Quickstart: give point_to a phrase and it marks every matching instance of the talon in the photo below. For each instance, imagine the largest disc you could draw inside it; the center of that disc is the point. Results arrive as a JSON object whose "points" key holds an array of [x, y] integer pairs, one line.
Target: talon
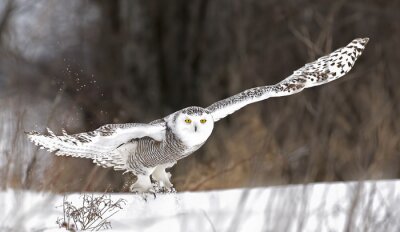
{"points": [[142, 189], [172, 190], [166, 190], [144, 196]]}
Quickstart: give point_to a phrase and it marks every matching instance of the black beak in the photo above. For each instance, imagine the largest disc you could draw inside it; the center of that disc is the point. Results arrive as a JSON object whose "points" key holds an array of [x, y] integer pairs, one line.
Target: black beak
{"points": [[195, 128]]}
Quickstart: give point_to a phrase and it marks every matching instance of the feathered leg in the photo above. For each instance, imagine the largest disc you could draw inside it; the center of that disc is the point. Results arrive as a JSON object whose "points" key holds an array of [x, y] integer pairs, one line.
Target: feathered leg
{"points": [[163, 177], [142, 185]]}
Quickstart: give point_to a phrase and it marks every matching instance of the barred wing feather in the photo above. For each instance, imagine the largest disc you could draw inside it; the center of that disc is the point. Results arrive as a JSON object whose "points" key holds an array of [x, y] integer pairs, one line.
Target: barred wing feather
{"points": [[95, 143], [321, 71]]}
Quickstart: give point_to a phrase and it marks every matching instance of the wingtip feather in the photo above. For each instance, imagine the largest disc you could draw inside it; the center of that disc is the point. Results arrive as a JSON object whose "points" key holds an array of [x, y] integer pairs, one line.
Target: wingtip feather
{"points": [[362, 40]]}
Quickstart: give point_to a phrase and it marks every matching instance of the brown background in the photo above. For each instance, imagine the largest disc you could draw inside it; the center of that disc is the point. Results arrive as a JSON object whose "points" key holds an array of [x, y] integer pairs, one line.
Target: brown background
{"points": [[136, 61]]}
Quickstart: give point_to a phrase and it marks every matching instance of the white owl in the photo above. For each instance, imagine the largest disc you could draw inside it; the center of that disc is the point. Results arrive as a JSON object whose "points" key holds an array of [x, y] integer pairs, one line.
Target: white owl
{"points": [[148, 149]]}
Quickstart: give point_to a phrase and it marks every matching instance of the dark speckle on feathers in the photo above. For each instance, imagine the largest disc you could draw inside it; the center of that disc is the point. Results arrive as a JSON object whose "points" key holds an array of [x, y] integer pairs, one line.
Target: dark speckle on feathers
{"points": [[321, 71], [143, 151], [194, 110]]}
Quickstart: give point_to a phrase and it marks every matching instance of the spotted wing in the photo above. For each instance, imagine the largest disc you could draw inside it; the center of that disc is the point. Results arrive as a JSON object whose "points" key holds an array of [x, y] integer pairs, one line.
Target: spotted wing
{"points": [[321, 71]]}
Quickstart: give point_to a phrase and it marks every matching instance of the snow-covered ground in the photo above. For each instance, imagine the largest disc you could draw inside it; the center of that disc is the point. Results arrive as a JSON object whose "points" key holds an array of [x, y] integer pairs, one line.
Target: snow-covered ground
{"points": [[364, 206]]}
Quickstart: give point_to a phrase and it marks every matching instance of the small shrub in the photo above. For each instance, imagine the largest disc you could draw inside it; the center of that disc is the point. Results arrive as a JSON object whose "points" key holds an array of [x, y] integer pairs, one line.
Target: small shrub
{"points": [[92, 214]]}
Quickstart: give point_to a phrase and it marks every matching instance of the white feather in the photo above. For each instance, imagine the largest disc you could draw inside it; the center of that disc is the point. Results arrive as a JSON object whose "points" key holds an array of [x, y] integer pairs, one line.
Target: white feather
{"points": [[321, 71], [103, 140]]}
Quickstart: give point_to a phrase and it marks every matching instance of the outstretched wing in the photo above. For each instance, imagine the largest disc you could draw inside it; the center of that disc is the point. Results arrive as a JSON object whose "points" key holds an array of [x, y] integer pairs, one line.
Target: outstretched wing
{"points": [[96, 143], [321, 71]]}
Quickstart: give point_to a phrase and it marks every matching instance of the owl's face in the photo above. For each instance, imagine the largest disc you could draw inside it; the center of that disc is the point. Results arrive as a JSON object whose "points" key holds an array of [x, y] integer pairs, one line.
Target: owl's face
{"points": [[193, 125]]}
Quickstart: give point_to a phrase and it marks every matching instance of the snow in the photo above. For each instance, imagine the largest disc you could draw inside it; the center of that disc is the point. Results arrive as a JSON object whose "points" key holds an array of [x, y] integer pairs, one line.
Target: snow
{"points": [[352, 206]]}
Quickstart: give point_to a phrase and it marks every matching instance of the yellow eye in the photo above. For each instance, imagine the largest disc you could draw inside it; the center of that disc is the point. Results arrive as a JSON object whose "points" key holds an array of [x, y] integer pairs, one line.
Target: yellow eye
{"points": [[203, 120], [188, 121]]}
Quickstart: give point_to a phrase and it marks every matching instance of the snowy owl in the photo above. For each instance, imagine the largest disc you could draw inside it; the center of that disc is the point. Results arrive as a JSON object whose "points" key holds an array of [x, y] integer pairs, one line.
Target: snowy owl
{"points": [[147, 149]]}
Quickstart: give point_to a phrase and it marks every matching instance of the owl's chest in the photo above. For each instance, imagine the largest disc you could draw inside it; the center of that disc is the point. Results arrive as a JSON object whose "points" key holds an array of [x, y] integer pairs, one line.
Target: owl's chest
{"points": [[174, 148], [159, 152]]}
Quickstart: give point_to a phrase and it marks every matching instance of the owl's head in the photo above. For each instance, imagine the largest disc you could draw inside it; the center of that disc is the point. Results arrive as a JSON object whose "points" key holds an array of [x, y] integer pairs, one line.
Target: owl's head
{"points": [[193, 125]]}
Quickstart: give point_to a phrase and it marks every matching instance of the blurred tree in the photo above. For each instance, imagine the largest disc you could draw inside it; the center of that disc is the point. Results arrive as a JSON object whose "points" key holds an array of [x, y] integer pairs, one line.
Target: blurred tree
{"points": [[136, 61]]}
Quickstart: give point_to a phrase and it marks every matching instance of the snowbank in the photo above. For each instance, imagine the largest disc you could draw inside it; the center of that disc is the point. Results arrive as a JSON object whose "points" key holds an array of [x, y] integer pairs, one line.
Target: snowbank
{"points": [[366, 206]]}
